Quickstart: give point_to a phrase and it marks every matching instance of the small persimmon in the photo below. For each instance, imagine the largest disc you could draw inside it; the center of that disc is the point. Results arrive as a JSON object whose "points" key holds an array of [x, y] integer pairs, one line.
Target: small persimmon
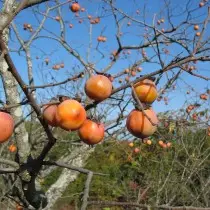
{"points": [[98, 87], [12, 148], [91, 132], [196, 27], [160, 142], [198, 34], [136, 150], [75, 7], [131, 144], [149, 142], [70, 115]]}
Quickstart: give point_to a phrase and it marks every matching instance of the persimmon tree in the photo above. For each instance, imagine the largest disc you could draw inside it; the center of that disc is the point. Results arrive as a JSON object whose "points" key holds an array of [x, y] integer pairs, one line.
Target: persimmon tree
{"points": [[65, 61]]}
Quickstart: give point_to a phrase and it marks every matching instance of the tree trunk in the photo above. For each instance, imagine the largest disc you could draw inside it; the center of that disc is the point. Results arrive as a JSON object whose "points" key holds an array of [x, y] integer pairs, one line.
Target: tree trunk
{"points": [[77, 158]]}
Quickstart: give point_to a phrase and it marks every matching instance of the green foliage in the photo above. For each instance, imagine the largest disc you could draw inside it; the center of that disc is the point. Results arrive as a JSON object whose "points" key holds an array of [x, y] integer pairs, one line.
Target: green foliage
{"points": [[159, 174]]}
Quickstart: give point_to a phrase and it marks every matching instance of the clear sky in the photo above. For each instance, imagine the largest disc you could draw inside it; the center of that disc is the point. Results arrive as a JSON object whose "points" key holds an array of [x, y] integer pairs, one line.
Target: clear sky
{"points": [[79, 39]]}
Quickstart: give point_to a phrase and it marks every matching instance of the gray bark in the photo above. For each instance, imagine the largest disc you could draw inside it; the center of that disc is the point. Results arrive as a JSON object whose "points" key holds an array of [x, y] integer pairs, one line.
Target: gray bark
{"points": [[77, 158], [13, 97]]}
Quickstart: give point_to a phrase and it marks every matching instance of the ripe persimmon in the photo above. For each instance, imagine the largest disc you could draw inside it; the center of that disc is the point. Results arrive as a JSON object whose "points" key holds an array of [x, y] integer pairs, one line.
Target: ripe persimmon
{"points": [[57, 18], [70, 115], [12, 148], [203, 96], [6, 126], [198, 34], [97, 20], [19, 207], [98, 87], [49, 114], [91, 132], [149, 142], [131, 144], [201, 4], [196, 27], [160, 142], [146, 91], [75, 7], [138, 124], [136, 150]]}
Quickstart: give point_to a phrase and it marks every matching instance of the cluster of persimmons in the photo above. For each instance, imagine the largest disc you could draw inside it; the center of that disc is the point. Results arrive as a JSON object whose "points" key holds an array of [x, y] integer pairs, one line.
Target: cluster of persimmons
{"points": [[70, 115]]}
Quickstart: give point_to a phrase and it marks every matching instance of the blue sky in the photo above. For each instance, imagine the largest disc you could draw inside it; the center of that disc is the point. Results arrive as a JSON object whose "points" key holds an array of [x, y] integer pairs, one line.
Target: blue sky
{"points": [[78, 37]]}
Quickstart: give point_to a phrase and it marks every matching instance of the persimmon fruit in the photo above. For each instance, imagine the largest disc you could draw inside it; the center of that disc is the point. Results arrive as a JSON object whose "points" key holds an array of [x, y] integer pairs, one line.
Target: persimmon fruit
{"points": [[131, 144], [149, 142], [12, 148], [136, 150], [138, 124], [146, 91], [196, 27], [75, 7], [49, 114], [6, 126], [98, 87], [160, 142], [91, 132], [70, 115]]}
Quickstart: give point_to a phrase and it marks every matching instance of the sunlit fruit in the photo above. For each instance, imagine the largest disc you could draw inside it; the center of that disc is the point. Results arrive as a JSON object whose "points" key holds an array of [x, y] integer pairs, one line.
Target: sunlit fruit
{"points": [[91, 132], [196, 27], [136, 150], [138, 124], [201, 4], [198, 34], [131, 144], [75, 7], [62, 65], [203, 96], [57, 18], [149, 142], [146, 91], [160, 142], [168, 144], [6, 126], [97, 20], [139, 69], [12, 148], [98, 87], [70, 115], [49, 114]]}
